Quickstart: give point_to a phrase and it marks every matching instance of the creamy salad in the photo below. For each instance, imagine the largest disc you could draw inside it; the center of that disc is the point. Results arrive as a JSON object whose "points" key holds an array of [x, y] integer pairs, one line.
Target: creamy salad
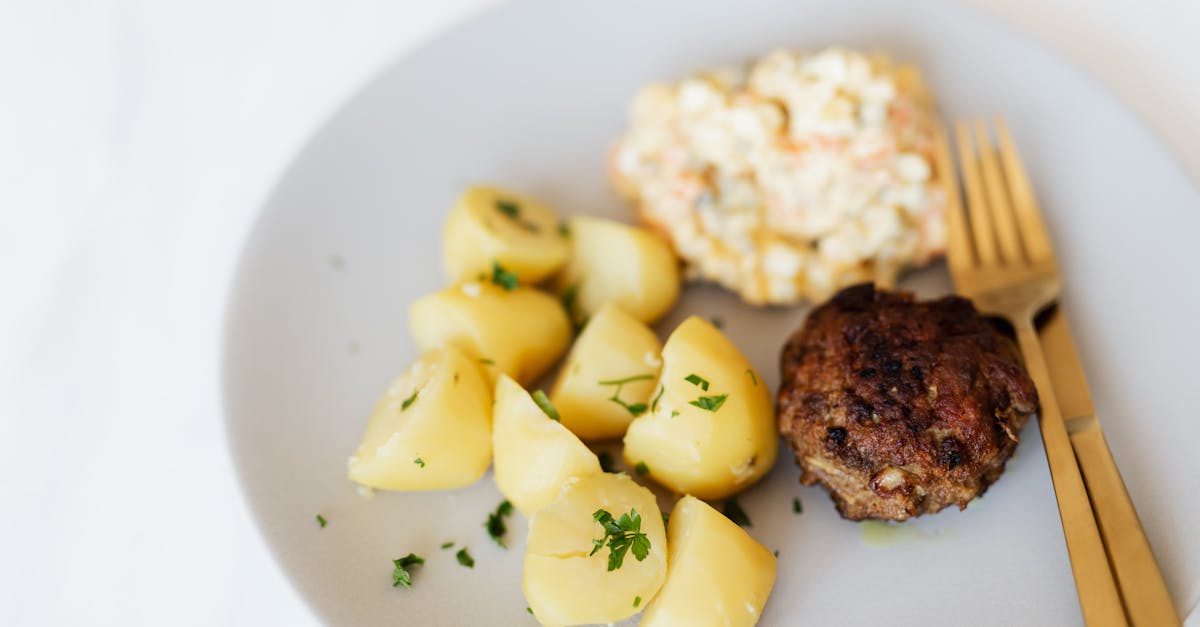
{"points": [[791, 177]]}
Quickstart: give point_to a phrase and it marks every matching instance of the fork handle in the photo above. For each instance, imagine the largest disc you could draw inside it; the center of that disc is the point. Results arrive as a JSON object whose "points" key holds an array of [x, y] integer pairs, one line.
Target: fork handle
{"points": [[1098, 595], [1146, 597]]}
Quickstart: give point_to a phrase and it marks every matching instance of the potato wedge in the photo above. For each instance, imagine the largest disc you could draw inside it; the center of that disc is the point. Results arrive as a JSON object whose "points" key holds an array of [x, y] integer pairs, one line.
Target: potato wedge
{"points": [[432, 429], [535, 455], [490, 224], [716, 573], [519, 332], [711, 432], [563, 584], [612, 262], [608, 376]]}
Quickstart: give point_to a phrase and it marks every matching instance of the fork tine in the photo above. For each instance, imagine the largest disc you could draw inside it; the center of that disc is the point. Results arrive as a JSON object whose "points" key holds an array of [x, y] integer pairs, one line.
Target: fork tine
{"points": [[981, 225], [958, 244], [1029, 217], [1001, 209]]}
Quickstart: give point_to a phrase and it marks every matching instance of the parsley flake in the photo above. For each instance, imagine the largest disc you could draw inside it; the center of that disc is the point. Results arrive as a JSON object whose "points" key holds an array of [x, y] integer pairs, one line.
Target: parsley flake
{"points": [[539, 397], [606, 461], [504, 278], [637, 601], [797, 507], [512, 211], [447, 545], [400, 574], [410, 400], [508, 208], [636, 409], [711, 403], [564, 230], [753, 377], [654, 405], [666, 518], [636, 377], [717, 322], [529, 609], [734, 512], [697, 380], [621, 535], [420, 462], [568, 297], [495, 523], [487, 362], [321, 521], [641, 469], [465, 558]]}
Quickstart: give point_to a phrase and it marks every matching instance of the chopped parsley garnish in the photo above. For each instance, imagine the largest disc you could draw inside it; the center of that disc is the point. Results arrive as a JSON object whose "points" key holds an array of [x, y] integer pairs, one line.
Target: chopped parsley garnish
{"points": [[797, 507], [539, 397], [697, 380], [621, 535], [410, 400], [711, 403], [447, 545], [674, 413], [666, 518], [420, 462], [654, 405], [776, 552], [508, 208], [636, 409], [734, 512], [564, 230], [465, 558], [400, 575], [495, 523], [529, 609], [504, 278], [636, 377], [568, 297], [321, 521], [637, 601], [512, 211], [606, 461], [487, 361], [717, 322], [641, 469], [753, 378]]}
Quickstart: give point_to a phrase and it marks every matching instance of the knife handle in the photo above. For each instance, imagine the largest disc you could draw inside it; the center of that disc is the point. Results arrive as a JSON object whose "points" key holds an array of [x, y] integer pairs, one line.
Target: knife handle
{"points": [[1099, 598], [1147, 601]]}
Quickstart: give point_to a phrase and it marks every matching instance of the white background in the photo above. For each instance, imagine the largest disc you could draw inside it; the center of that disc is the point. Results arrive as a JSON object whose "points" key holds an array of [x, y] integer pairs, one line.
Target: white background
{"points": [[136, 142]]}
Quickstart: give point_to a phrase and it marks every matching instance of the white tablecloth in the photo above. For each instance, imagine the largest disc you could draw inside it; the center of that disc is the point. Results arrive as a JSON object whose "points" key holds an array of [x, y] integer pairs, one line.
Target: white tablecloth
{"points": [[136, 142]]}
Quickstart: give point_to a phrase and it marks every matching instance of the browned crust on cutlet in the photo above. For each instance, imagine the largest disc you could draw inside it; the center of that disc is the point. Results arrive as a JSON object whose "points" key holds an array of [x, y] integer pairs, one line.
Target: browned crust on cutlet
{"points": [[901, 408]]}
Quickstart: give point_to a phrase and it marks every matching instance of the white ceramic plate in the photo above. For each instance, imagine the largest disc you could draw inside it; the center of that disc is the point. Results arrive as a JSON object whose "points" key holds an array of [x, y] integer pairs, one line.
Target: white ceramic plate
{"points": [[530, 96]]}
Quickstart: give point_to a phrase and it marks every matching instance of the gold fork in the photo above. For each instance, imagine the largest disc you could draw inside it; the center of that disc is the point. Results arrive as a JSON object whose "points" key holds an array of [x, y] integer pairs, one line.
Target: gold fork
{"points": [[1000, 257]]}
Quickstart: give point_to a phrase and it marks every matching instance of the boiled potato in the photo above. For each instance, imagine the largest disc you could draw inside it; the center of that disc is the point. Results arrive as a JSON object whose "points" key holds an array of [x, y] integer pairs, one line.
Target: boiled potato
{"points": [[489, 224], [563, 584], [611, 262], [535, 455], [716, 573], [711, 432], [615, 357], [519, 332], [431, 430]]}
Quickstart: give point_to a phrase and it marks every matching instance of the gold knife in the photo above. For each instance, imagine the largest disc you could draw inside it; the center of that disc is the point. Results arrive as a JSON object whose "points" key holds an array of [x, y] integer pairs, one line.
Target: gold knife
{"points": [[1147, 601]]}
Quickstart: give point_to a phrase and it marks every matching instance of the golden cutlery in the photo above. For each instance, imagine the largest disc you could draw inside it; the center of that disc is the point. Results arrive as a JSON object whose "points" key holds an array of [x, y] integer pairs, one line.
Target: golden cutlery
{"points": [[1000, 257], [1143, 590]]}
